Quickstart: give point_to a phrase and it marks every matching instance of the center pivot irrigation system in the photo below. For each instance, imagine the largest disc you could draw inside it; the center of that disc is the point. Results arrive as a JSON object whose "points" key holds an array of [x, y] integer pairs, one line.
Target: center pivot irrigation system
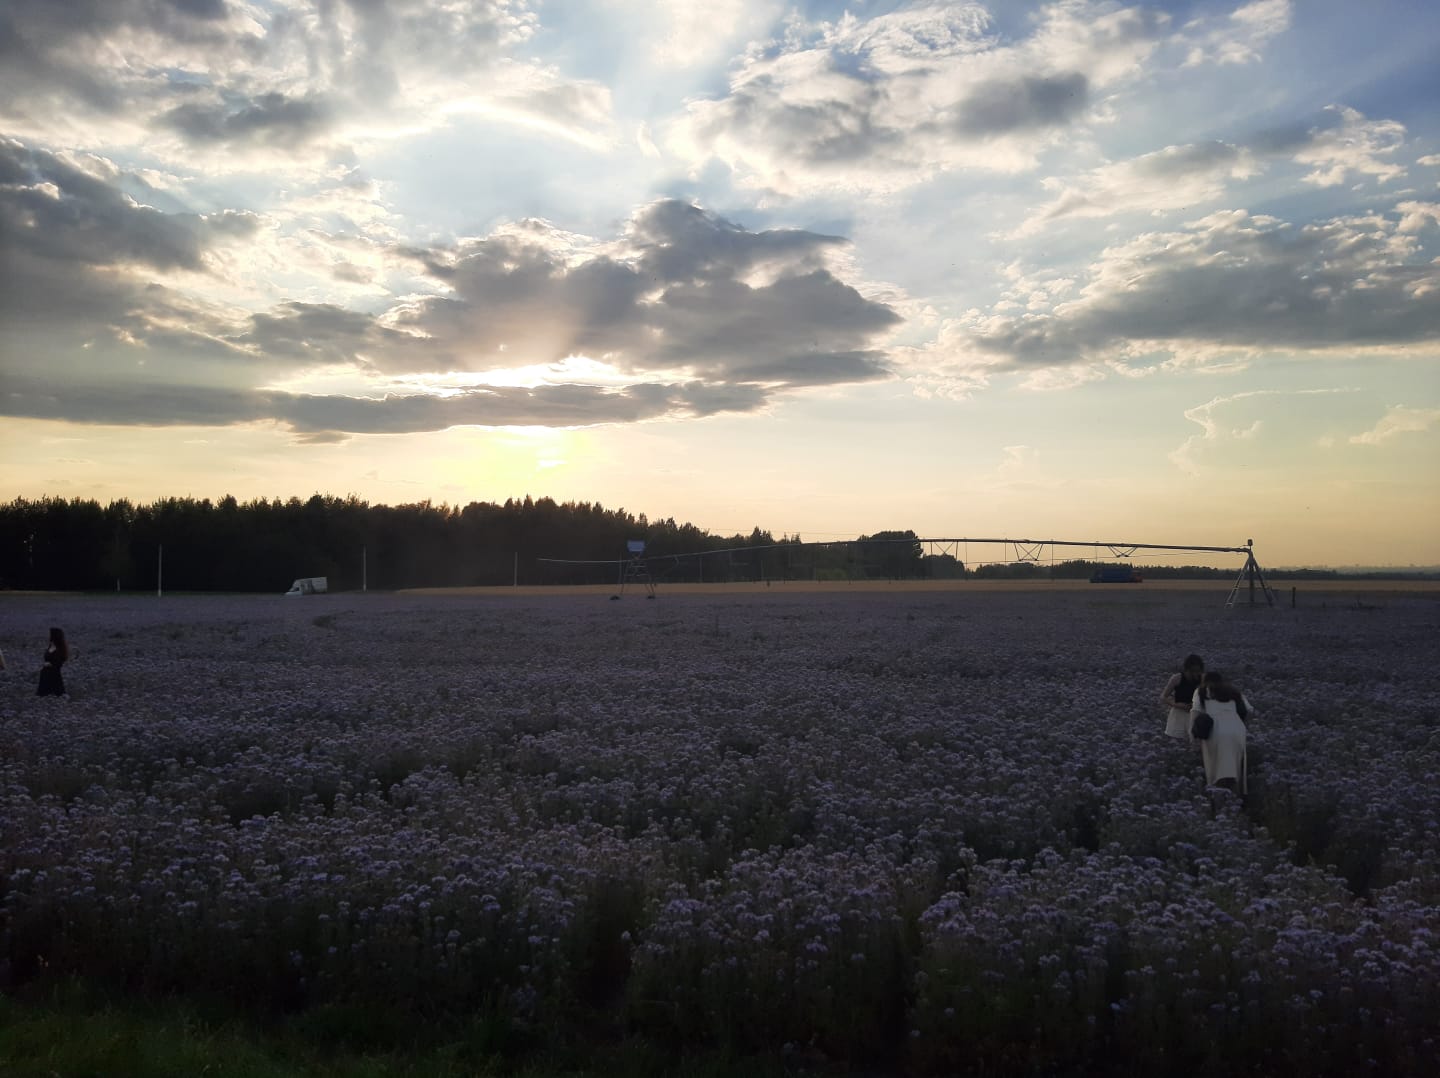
{"points": [[637, 569]]}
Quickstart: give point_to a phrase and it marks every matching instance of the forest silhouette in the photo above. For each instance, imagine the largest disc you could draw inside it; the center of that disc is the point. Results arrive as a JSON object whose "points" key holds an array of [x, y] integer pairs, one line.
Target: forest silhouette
{"points": [[189, 544]]}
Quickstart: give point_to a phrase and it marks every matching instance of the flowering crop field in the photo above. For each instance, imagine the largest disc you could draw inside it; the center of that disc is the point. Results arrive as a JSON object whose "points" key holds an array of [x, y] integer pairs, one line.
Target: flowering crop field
{"points": [[932, 833]]}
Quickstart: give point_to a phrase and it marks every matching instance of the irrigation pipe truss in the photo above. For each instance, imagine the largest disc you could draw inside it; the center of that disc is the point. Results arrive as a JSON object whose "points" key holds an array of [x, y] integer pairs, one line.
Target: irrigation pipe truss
{"points": [[1026, 550]]}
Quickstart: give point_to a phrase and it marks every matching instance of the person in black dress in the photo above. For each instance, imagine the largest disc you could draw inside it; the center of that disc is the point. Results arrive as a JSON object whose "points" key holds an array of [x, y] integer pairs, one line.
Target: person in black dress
{"points": [[51, 683]]}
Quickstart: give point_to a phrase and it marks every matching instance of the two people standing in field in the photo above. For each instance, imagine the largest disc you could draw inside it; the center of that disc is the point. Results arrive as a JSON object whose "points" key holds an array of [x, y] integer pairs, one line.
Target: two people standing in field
{"points": [[1194, 692], [51, 683]]}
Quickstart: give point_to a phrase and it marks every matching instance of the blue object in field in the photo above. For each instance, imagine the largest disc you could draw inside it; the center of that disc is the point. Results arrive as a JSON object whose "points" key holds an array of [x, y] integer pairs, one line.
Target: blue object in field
{"points": [[1115, 574]]}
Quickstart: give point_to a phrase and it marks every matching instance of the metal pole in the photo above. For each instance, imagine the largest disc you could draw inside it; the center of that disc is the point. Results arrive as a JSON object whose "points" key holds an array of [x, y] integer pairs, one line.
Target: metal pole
{"points": [[159, 569], [515, 579], [364, 570]]}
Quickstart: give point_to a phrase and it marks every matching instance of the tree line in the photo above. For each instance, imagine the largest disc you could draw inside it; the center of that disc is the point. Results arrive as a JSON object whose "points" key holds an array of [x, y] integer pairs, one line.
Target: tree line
{"points": [[189, 544]]}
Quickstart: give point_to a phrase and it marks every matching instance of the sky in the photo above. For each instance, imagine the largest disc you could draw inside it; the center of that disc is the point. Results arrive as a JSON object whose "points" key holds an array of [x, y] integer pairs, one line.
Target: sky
{"points": [[1155, 272]]}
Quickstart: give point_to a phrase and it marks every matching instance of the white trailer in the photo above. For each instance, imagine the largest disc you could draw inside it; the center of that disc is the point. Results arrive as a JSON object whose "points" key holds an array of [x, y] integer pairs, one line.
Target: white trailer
{"points": [[310, 585]]}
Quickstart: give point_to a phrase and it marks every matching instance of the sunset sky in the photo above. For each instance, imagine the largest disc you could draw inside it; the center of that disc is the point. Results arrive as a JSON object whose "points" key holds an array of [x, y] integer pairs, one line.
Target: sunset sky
{"points": [[1164, 273]]}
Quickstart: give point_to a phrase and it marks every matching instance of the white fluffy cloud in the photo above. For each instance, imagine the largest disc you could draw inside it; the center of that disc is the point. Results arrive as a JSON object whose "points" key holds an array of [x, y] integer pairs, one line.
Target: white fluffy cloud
{"points": [[1173, 178], [249, 85], [1397, 421], [1239, 37], [887, 102], [1355, 146]]}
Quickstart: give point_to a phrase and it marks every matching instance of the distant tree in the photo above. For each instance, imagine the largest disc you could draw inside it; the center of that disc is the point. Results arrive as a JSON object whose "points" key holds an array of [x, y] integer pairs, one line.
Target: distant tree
{"points": [[895, 555], [1019, 570], [942, 567]]}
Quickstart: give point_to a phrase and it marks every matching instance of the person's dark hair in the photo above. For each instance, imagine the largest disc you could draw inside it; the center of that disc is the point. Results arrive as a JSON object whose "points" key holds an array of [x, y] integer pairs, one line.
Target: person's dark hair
{"points": [[1192, 660], [57, 637], [1215, 687]]}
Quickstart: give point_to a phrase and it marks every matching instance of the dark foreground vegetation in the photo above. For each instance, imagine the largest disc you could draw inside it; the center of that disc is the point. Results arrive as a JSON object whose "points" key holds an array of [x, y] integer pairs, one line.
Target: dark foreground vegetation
{"points": [[78, 1029], [185, 544]]}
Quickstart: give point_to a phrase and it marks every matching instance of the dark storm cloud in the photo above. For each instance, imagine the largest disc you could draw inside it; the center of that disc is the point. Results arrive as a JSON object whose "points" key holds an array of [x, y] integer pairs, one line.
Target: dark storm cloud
{"points": [[515, 301], [1022, 103], [47, 28], [52, 209], [247, 75], [1234, 281], [48, 48], [678, 241], [271, 119], [136, 402], [725, 328], [316, 333], [79, 261], [702, 314], [818, 369], [327, 418], [684, 298]]}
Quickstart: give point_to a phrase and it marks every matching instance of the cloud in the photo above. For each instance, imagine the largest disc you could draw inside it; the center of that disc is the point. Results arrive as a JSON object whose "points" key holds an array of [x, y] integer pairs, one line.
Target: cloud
{"points": [[1023, 103], [682, 290], [1232, 423], [91, 274], [57, 208], [682, 313], [80, 54], [1239, 37], [272, 119], [1178, 177], [893, 100], [1398, 420], [687, 33], [1172, 178], [330, 418], [1351, 144], [1228, 283], [1018, 459], [265, 82], [1416, 216]]}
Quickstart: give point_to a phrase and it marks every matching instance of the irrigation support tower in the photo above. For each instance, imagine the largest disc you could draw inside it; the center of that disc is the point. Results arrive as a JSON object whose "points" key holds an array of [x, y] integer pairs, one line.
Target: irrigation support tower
{"points": [[1033, 550]]}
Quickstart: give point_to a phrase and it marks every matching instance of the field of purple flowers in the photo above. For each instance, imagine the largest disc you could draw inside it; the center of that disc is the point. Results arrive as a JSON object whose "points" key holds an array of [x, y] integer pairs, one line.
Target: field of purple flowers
{"points": [[935, 833]]}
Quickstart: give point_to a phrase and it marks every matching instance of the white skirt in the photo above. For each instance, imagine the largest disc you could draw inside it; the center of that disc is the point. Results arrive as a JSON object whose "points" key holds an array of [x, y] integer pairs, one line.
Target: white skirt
{"points": [[1177, 722]]}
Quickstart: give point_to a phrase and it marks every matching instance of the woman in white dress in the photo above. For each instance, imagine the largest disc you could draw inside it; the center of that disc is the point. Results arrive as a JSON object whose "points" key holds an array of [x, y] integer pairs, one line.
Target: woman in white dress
{"points": [[1224, 750], [1179, 694]]}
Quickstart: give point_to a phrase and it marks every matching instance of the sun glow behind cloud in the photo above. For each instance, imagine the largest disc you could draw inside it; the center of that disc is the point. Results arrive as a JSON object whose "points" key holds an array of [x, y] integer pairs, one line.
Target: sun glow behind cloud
{"points": [[362, 381]]}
